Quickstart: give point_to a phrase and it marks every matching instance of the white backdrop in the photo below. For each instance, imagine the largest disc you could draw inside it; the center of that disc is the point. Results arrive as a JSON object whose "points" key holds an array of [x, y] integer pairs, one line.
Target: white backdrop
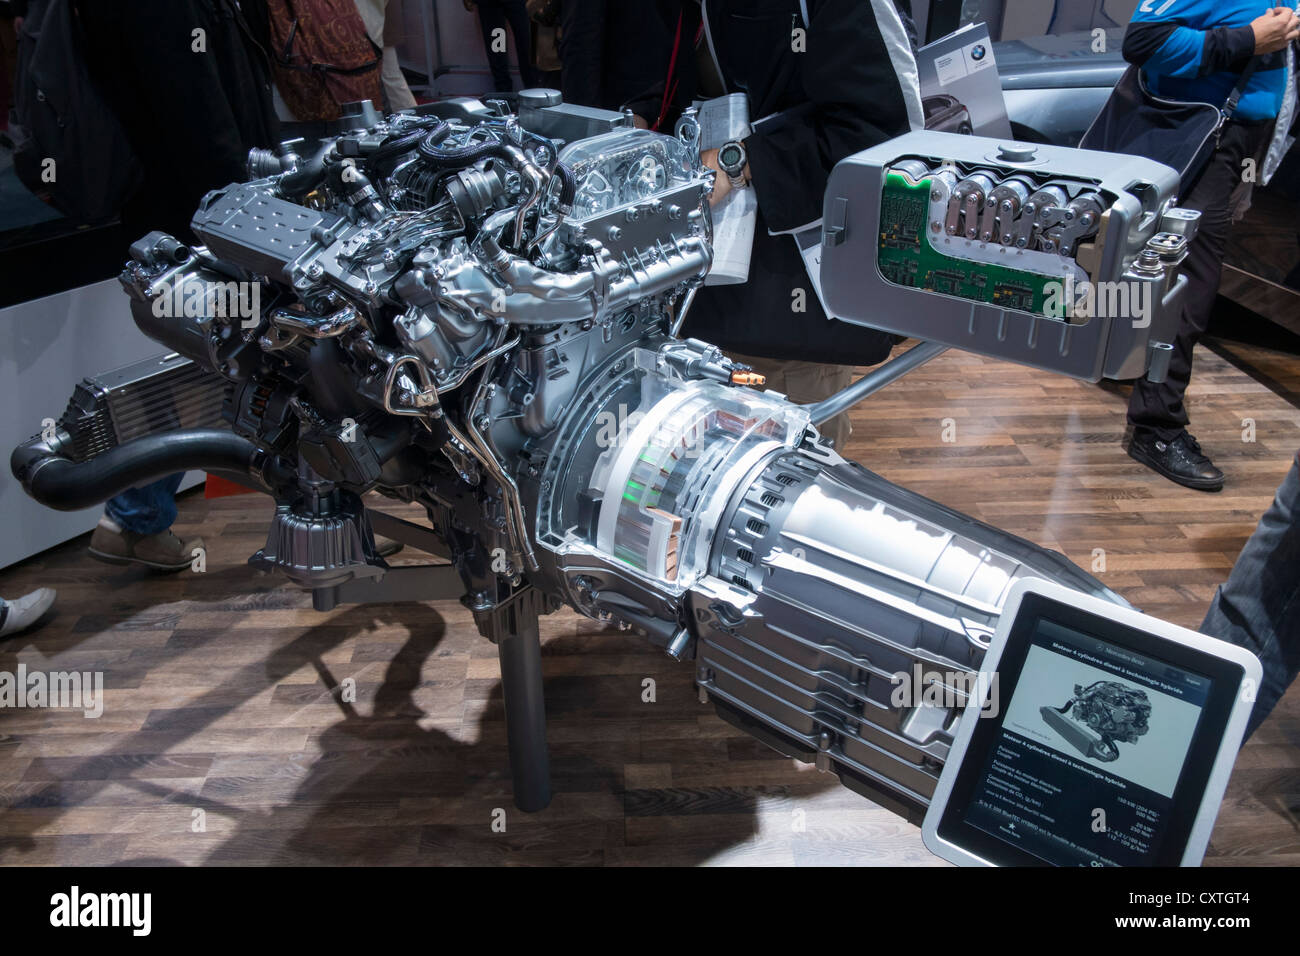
{"points": [[52, 344]]}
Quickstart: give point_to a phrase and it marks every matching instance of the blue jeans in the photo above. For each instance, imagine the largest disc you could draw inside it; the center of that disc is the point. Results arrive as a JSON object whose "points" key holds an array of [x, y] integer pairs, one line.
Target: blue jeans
{"points": [[1259, 606], [148, 510]]}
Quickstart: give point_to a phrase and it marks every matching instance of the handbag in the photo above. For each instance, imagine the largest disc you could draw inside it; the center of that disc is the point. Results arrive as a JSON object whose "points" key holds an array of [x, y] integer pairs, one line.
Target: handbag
{"points": [[1180, 134]]}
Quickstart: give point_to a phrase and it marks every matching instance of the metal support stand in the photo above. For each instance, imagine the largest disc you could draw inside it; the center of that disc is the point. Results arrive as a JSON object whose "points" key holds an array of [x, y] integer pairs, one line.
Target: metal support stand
{"points": [[874, 381], [513, 627], [422, 582], [511, 624]]}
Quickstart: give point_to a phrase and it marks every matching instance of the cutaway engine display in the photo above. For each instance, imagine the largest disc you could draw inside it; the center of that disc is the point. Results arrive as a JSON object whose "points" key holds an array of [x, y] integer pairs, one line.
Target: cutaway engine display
{"points": [[469, 309], [1058, 258]]}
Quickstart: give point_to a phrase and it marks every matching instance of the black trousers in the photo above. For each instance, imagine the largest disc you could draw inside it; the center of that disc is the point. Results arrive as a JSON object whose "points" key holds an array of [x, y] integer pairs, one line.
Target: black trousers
{"points": [[1159, 408], [492, 16]]}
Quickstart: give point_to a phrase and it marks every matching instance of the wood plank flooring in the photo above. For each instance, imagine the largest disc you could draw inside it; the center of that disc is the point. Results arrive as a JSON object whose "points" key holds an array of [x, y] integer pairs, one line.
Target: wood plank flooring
{"points": [[226, 737]]}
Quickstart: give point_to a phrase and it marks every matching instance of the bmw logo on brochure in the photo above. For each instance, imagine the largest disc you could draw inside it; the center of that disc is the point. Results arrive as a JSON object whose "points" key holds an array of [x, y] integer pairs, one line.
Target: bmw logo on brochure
{"points": [[978, 52]]}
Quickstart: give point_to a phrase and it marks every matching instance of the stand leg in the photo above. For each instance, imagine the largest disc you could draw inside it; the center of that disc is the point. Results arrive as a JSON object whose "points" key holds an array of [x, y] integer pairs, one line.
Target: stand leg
{"points": [[874, 381], [520, 651]]}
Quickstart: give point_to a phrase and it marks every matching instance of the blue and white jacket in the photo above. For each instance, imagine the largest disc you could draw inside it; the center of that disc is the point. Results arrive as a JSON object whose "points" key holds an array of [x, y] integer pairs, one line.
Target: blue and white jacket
{"points": [[1196, 50]]}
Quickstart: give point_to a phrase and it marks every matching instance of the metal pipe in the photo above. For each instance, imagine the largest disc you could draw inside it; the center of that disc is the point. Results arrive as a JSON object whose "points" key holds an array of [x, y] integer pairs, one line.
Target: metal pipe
{"points": [[538, 180], [509, 490], [874, 381], [424, 401], [316, 326], [680, 318]]}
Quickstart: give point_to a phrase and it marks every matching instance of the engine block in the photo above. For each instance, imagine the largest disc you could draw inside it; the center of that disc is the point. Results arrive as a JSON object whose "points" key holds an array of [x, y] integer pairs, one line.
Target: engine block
{"points": [[470, 309]]}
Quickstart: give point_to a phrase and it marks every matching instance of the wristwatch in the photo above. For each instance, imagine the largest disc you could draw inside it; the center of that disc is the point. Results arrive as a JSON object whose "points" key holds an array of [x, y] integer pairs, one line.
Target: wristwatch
{"points": [[732, 158]]}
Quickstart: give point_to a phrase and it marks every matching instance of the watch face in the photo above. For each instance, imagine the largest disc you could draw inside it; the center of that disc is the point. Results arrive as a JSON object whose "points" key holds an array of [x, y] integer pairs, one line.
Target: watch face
{"points": [[729, 156]]}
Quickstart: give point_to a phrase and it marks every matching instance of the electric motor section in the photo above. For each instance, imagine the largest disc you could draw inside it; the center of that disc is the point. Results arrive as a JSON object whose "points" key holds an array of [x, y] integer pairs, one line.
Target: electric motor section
{"points": [[1062, 259]]}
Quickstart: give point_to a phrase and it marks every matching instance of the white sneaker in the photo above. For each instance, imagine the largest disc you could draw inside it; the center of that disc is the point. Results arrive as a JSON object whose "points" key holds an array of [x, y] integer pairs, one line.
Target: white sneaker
{"points": [[26, 611]]}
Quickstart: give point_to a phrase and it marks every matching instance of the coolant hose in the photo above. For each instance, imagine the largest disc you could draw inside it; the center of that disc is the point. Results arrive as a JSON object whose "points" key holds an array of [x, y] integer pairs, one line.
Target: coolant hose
{"points": [[409, 141], [568, 184], [460, 155], [58, 482]]}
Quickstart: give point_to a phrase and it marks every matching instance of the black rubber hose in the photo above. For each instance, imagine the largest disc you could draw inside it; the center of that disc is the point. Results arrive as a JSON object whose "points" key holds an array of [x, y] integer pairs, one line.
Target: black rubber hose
{"points": [[65, 485], [461, 155], [308, 175], [410, 141], [568, 184]]}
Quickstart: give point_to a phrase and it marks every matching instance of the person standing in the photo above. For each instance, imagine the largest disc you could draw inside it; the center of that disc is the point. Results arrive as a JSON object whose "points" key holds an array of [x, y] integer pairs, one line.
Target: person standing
{"points": [[1258, 607], [190, 83], [827, 78], [1196, 50], [493, 15], [383, 25], [847, 83], [396, 89], [615, 55]]}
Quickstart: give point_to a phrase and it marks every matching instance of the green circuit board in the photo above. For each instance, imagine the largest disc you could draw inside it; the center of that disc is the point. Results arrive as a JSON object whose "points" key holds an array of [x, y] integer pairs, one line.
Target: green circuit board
{"points": [[907, 258]]}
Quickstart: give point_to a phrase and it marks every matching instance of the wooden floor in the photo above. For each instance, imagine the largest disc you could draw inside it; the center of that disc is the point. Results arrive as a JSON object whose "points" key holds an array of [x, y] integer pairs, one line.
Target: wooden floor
{"points": [[224, 738]]}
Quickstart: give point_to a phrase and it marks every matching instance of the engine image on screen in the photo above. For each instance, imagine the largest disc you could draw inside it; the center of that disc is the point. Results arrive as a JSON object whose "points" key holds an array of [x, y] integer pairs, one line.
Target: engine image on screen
{"points": [[1100, 715], [469, 310]]}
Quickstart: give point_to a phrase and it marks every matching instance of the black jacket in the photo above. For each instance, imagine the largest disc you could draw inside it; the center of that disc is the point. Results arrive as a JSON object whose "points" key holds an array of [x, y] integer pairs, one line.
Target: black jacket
{"points": [[191, 117], [614, 51], [846, 96]]}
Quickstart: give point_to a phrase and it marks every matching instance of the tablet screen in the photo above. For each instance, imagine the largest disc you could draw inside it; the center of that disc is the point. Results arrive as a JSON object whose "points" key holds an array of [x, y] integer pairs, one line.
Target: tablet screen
{"points": [[1094, 752]]}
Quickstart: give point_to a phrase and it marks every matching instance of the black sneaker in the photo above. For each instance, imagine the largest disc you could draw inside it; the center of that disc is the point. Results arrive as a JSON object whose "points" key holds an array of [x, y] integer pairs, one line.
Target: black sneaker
{"points": [[1179, 460]]}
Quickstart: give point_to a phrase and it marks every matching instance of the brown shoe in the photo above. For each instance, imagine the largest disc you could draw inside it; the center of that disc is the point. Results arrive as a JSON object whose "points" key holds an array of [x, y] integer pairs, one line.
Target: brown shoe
{"points": [[162, 552]]}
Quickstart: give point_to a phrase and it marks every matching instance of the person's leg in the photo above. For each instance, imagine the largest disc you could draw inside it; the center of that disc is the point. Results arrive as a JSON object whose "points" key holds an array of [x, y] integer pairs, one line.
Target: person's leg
{"points": [[1157, 411], [811, 382], [375, 15], [136, 529], [396, 90], [1259, 605], [492, 18], [22, 613], [147, 510], [522, 27]]}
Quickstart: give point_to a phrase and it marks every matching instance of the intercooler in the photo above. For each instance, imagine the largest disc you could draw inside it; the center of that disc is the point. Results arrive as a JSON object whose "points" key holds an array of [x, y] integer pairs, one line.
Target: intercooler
{"points": [[165, 393]]}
